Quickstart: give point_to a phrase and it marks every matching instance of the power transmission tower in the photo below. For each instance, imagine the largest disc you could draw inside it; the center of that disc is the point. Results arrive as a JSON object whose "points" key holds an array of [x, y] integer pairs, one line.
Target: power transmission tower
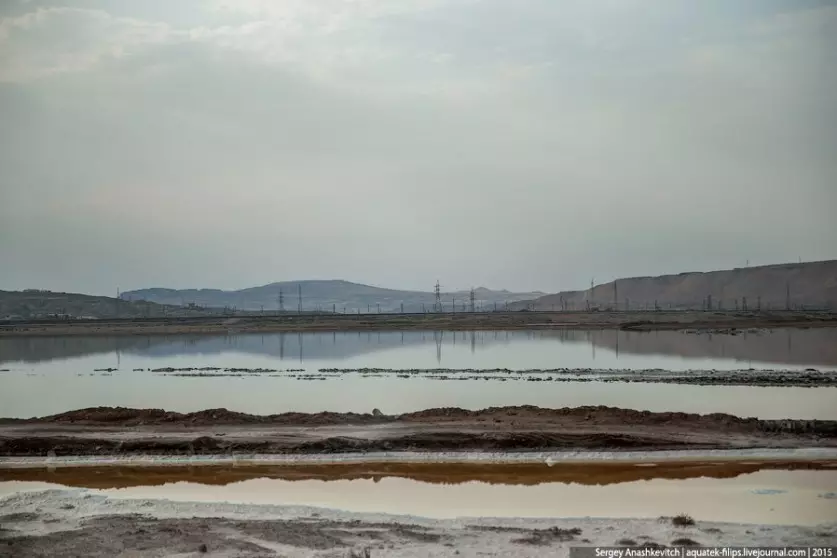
{"points": [[299, 291], [472, 298], [437, 306], [281, 301], [787, 295], [592, 292]]}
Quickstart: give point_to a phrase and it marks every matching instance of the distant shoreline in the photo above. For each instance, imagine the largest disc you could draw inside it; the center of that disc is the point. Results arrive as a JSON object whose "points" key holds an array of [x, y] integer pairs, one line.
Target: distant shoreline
{"points": [[713, 322]]}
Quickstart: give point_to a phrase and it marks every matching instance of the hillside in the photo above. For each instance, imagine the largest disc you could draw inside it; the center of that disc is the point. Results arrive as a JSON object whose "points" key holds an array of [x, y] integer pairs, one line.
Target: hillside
{"points": [[809, 285], [325, 295], [36, 304]]}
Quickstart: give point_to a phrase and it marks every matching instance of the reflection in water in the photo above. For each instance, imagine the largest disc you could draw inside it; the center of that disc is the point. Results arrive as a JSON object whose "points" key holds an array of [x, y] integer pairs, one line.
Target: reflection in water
{"points": [[766, 496], [594, 474], [809, 347], [53, 375]]}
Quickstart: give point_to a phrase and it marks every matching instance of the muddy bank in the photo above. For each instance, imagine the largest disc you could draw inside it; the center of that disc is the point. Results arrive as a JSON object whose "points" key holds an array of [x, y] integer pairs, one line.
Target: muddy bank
{"points": [[122, 431], [66, 523], [633, 321]]}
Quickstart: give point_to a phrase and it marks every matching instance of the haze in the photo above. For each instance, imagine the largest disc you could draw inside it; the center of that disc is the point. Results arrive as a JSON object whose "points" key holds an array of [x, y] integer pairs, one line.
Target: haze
{"points": [[521, 145]]}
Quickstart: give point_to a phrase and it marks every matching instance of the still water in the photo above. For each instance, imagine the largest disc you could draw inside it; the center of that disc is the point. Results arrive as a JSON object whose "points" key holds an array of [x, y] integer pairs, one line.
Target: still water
{"points": [[45, 375], [767, 496]]}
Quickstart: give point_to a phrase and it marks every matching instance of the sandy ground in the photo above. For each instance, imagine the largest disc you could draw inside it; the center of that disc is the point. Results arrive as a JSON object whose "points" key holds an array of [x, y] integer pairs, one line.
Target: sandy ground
{"points": [[79, 523], [634, 321], [120, 431]]}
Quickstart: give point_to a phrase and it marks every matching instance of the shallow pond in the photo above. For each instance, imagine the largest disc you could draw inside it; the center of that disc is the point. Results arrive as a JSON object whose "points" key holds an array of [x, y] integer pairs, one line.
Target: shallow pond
{"points": [[46, 375], [763, 496]]}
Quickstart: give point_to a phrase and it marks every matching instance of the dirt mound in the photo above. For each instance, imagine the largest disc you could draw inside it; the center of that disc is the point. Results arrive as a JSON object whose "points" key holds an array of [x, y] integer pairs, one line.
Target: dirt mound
{"points": [[113, 415], [592, 414], [123, 416], [519, 418]]}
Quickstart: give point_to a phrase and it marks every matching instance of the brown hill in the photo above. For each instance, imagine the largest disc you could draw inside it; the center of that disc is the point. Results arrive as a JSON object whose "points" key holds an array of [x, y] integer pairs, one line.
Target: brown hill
{"points": [[797, 285]]}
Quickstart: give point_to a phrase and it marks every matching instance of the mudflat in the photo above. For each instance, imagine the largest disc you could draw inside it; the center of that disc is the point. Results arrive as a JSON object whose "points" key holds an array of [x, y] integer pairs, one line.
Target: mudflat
{"points": [[123, 431]]}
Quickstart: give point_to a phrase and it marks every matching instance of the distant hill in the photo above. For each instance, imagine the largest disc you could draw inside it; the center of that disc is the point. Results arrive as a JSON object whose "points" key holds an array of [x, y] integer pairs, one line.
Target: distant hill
{"points": [[36, 304], [325, 295], [810, 285]]}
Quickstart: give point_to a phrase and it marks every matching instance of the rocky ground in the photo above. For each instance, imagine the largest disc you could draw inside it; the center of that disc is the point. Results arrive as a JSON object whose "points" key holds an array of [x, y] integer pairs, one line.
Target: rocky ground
{"points": [[80, 523], [122, 431]]}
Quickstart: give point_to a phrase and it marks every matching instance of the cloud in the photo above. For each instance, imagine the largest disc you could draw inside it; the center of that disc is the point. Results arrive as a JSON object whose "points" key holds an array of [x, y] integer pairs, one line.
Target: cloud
{"points": [[58, 40], [520, 145]]}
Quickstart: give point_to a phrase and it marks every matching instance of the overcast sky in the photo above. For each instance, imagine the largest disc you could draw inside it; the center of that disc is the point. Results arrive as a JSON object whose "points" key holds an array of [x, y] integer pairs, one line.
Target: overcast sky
{"points": [[509, 144]]}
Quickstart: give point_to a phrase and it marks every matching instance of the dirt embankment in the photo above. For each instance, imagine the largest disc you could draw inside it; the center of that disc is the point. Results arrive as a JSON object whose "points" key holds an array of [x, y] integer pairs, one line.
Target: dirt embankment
{"points": [[120, 431], [639, 321]]}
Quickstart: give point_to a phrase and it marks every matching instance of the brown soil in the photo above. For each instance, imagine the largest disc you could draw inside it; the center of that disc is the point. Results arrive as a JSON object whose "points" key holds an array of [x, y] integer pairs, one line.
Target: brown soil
{"points": [[115, 431]]}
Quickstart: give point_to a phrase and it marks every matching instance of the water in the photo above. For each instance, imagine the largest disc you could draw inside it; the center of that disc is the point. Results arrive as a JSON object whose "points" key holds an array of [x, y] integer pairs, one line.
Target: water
{"points": [[765, 496], [673, 350], [46, 375]]}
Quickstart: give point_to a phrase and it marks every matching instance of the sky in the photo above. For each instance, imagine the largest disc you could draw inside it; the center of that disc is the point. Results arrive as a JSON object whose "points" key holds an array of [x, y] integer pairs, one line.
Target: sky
{"points": [[533, 144]]}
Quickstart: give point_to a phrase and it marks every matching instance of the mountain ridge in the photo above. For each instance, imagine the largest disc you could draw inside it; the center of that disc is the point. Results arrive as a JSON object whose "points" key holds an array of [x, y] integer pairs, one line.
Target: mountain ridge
{"points": [[776, 286], [326, 294]]}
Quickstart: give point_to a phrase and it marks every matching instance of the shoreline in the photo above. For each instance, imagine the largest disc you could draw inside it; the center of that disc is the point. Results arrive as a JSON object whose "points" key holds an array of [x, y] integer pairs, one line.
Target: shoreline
{"points": [[720, 321], [754, 456]]}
